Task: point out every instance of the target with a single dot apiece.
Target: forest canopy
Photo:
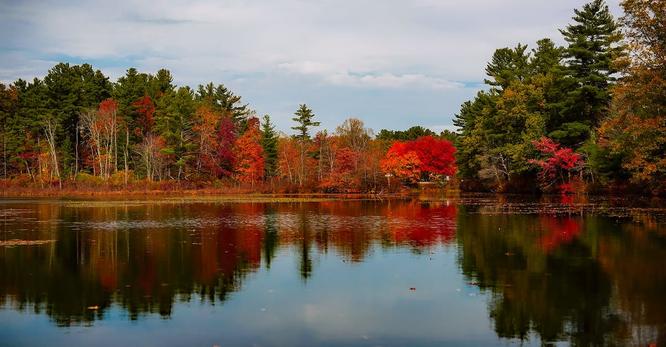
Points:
(588, 115)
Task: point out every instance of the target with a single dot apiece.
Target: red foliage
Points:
(342, 178)
(420, 225)
(226, 137)
(216, 136)
(437, 156)
(145, 108)
(404, 165)
(558, 232)
(425, 155)
(558, 164)
(108, 107)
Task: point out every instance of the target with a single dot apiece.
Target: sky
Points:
(391, 63)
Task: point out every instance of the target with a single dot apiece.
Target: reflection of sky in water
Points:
(341, 273)
(367, 303)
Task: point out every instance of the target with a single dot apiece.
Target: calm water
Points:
(472, 271)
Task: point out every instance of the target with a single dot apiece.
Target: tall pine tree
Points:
(223, 100)
(304, 117)
(594, 44)
(269, 141)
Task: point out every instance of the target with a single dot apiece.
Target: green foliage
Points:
(410, 134)
(594, 44)
(173, 122)
(448, 135)
(161, 83)
(559, 92)
(589, 96)
(508, 65)
(269, 142)
(128, 89)
(304, 118)
(222, 100)
(546, 58)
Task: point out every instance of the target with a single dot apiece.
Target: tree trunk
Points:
(126, 152)
(50, 138)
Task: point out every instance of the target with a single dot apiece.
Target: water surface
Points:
(477, 270)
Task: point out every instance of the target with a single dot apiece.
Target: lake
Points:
(428, 271)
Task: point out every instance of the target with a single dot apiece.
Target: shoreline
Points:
(203, 193)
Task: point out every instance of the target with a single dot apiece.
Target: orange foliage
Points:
(250, 163)
(425, 155)
(402, 164)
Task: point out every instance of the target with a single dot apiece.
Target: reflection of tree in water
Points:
(304, 231)
(143, 269)
(144, 258)
(270, 235)
(423, 224)
(634, 259)
(545, 276)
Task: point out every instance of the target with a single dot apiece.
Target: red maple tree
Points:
(145, 108)
(557, 164)
(422, 158)
(226, 137)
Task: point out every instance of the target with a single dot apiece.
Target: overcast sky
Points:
(391, 63)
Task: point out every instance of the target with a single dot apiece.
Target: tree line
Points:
(589, 114)
(75, 126)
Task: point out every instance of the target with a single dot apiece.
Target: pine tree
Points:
(269, 141)
(508, 65)
(173, 122)
(593, 46)
(160, 84)
(128, 89)
(303, 117)
(546, 57)
(223, 100)
(8, 109)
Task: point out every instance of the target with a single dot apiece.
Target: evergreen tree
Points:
(129, 89)
(593, 46)
(304, 118)
(173, 122)
(546, 57)
(269, 142)
(160, 84)
(223, 100)
(8, 109)
(498, 126)
(468, 143)
(410, 134)
(72, 89)
(508, 65)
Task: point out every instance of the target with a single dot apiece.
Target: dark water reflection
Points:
(475, 271)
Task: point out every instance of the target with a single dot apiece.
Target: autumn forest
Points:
(585, 116)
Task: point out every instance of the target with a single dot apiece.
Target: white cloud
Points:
(341, 77)
(388, 80)
(365, 46)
